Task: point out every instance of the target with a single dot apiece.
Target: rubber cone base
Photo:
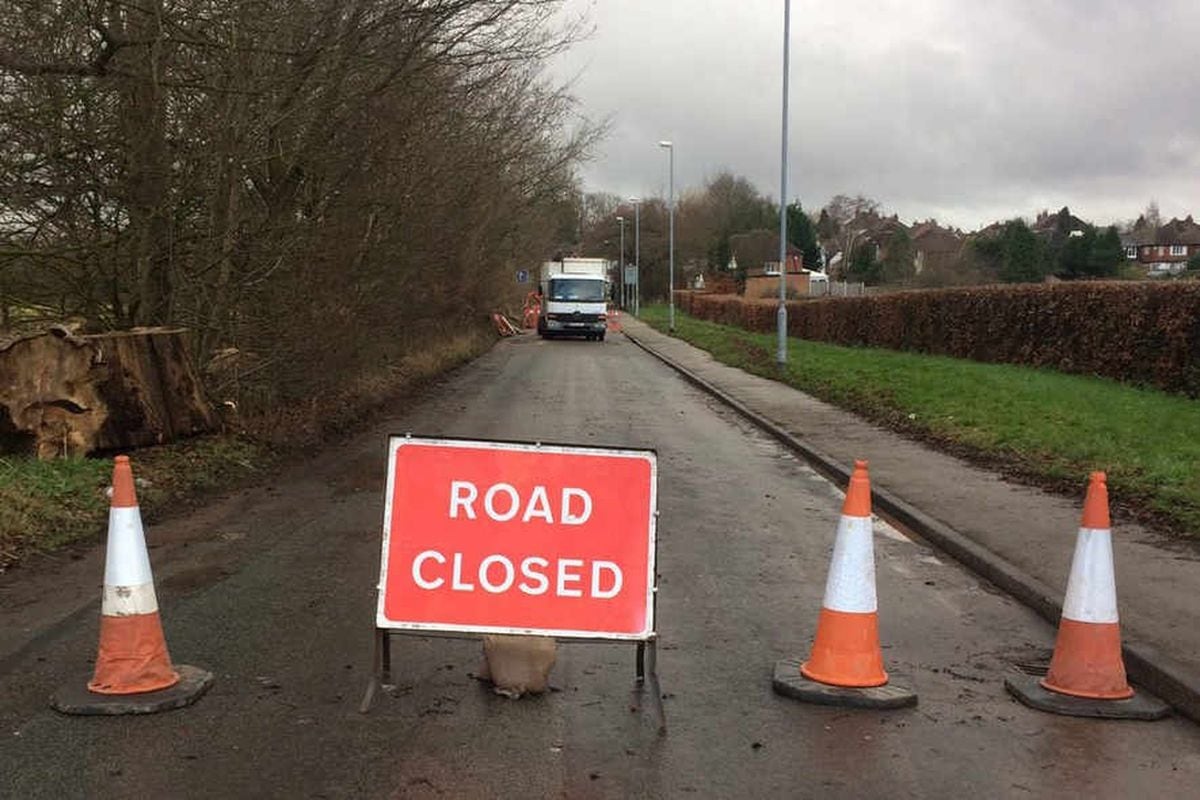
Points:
(1029, 690)
(76, 699)
(790, 683)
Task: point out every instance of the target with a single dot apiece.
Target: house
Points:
(1164, 250)
(867, 229)
(758, 248)
(935, 249)
(1059, 225)
(1139, 236)
(759, 251)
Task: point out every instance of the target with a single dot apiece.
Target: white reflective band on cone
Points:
(1092, 587)
(126, 562)
(127, 601)
(850, 586)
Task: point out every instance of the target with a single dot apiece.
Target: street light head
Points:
(620, 218)
(666, 144)
(635, 200)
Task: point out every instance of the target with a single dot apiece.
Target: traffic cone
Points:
(845, 667)
(846, 650)
(133, 653)
(1087, 654)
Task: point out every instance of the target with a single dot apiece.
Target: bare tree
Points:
(323, 183)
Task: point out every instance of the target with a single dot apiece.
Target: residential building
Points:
(1164, 250)
(935, 249)
(1059, 225)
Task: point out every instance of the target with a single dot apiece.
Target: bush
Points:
(1141, 333)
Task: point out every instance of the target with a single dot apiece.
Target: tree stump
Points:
(65, 395)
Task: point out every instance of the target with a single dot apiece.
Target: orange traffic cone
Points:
(133, 653)
(845, 667)
(1087, 654)
(846, 650)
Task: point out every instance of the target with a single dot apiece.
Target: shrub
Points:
(1142, 333)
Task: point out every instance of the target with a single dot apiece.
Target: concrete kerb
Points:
(1146, 666)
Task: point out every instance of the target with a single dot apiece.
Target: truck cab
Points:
(574, 298)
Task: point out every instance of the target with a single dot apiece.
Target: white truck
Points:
(574, 298)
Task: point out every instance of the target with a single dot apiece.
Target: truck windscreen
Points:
(575, 290)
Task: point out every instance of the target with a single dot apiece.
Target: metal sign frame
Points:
(646, 664)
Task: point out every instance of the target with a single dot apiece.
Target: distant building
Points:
(1061, 224)
(759, 248)
(935, 249)
(1164, 250)
(759, 252)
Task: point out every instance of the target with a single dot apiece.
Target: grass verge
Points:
(45, 505)
(1045, 426)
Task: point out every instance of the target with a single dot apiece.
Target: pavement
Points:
(1019, 537)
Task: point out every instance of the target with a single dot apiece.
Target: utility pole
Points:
(781, 316)
(670, 146)
(621, 221)
(637, 255)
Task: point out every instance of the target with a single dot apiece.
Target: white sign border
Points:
(395, 442)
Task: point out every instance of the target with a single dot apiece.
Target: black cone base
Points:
(1029, 690)
(76, 699)
(790, 683)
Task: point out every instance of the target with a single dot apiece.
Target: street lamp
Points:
(670, 146)
(781, 316)
(637, 255)
(621, 261)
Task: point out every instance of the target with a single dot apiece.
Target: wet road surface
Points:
(275, 594)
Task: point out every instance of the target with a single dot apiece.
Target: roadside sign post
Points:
(490, 537)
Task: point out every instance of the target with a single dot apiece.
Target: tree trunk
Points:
(66, 395)
(148, 167)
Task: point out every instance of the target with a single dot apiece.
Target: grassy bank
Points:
(1045, 425)
(45, 505)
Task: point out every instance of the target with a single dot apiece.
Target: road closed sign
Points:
(504, 537)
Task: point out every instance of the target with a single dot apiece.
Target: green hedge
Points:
(1142, 333)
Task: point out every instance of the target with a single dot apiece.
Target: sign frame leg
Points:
(381, 669)
(647, 680)
(646, 664)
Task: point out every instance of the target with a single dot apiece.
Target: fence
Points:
(836, 289)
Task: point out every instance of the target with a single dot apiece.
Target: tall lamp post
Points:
(670, 146)
(781, 316)
(621, 222)
(637, 255)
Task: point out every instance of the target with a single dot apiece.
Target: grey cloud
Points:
(964, 111)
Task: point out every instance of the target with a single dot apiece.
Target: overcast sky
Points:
(964, 110)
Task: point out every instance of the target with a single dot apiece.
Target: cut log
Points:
(63, 394)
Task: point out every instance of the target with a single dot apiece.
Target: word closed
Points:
(506, 537)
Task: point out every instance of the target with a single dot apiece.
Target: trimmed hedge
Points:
(1141, 333)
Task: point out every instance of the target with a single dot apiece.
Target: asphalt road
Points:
(273, 589)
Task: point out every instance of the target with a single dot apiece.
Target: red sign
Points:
(502, 537)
